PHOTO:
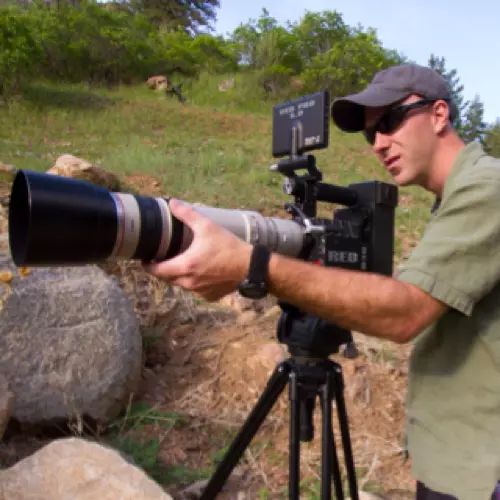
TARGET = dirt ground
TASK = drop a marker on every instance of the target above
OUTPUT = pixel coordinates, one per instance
(216, 374)
(209, 364)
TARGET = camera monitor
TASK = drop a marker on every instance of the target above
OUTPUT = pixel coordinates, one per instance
(308, 117)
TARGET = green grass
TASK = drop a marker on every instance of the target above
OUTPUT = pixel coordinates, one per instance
(130, 435)
(215, 150)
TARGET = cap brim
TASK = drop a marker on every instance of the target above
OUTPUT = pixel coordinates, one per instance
(348, 113)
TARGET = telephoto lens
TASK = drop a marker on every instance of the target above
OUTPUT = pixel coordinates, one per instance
(56, 220)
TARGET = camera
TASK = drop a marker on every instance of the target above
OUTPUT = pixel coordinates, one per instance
(57, 221)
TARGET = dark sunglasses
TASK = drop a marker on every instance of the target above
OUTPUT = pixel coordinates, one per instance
(392, 119)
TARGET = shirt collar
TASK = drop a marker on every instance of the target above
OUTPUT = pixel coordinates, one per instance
(468, 156)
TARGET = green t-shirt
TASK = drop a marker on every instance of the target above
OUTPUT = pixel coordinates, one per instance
(454, 377)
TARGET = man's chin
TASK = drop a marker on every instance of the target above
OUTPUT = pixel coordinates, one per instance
(402, 180)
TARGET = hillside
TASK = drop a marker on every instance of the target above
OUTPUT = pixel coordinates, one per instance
(212, 150)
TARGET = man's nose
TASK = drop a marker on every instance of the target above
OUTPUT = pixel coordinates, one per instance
(382, 142)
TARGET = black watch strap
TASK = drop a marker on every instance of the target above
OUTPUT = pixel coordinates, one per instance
(254, 286)
(259, 262)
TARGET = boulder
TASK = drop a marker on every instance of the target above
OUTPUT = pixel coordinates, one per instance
(74, 468)
(158, 82)
(70, 344)
(6, 404)
(77, 168)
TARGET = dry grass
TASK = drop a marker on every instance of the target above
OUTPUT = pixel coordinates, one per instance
(225, 378)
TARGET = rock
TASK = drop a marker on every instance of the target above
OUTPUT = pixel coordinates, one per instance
(272, 312)
(247, 317)
(164, 85)
(7, 174)
(226, 85)
(4, 200)
(74, 468)
(240, 304)
(4, 243)
(363, 495)
(70, 343)
(297, 83)
(6, 404)
(158, 82)
(71, 166)
(7, 169)
(4, 221)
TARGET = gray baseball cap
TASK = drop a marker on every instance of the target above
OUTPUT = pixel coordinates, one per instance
(388, 87)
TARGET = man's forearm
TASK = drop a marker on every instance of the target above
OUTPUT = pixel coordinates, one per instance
(369, 303)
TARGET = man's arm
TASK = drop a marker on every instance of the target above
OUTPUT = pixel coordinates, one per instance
(372, 304)
(217, 261)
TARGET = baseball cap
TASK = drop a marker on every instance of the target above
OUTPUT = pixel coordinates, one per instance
(387, 87)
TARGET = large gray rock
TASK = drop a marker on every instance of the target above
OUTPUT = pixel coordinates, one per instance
(6, 404)
(70, 343)
(77, 469)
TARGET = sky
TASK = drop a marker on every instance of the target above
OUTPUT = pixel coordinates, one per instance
(464, 32)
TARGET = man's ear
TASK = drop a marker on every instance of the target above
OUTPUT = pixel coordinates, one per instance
(440, 116)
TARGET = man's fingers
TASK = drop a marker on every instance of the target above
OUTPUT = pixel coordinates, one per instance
(169, 270)
(185, 213)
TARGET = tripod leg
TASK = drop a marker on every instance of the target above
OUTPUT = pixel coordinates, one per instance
(329, 458)
(274, 388)
(294, 459)
(344, 430)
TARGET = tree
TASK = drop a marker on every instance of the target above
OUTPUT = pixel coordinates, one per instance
(349, 65)
(190, 15)
(318, 32)
(248, 38)
(19, 49)
(474, 126)
(456, 88)
(492, 139)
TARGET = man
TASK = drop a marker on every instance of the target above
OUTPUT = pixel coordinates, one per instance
(445, 298)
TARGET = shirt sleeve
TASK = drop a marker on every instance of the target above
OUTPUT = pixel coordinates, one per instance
(458, 259)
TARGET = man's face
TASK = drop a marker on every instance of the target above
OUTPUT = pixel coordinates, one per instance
(407, 151)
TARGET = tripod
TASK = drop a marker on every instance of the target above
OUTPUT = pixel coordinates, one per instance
(308, 376)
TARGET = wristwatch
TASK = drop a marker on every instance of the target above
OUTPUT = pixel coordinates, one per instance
(254, 286)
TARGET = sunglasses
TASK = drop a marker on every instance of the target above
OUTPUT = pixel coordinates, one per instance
(392, 119)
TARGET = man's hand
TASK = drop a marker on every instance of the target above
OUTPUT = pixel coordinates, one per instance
(213, 265)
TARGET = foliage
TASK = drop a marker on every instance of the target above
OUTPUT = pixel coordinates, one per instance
(456, 87)
(177, 51)
(349, 65)
(91, 43)
(188, 15)
(19, 49)
(491, 139)
(474, 126)
(100, 43)
(320, 49)
(469, 123)
(87, 41)
(318, 33)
